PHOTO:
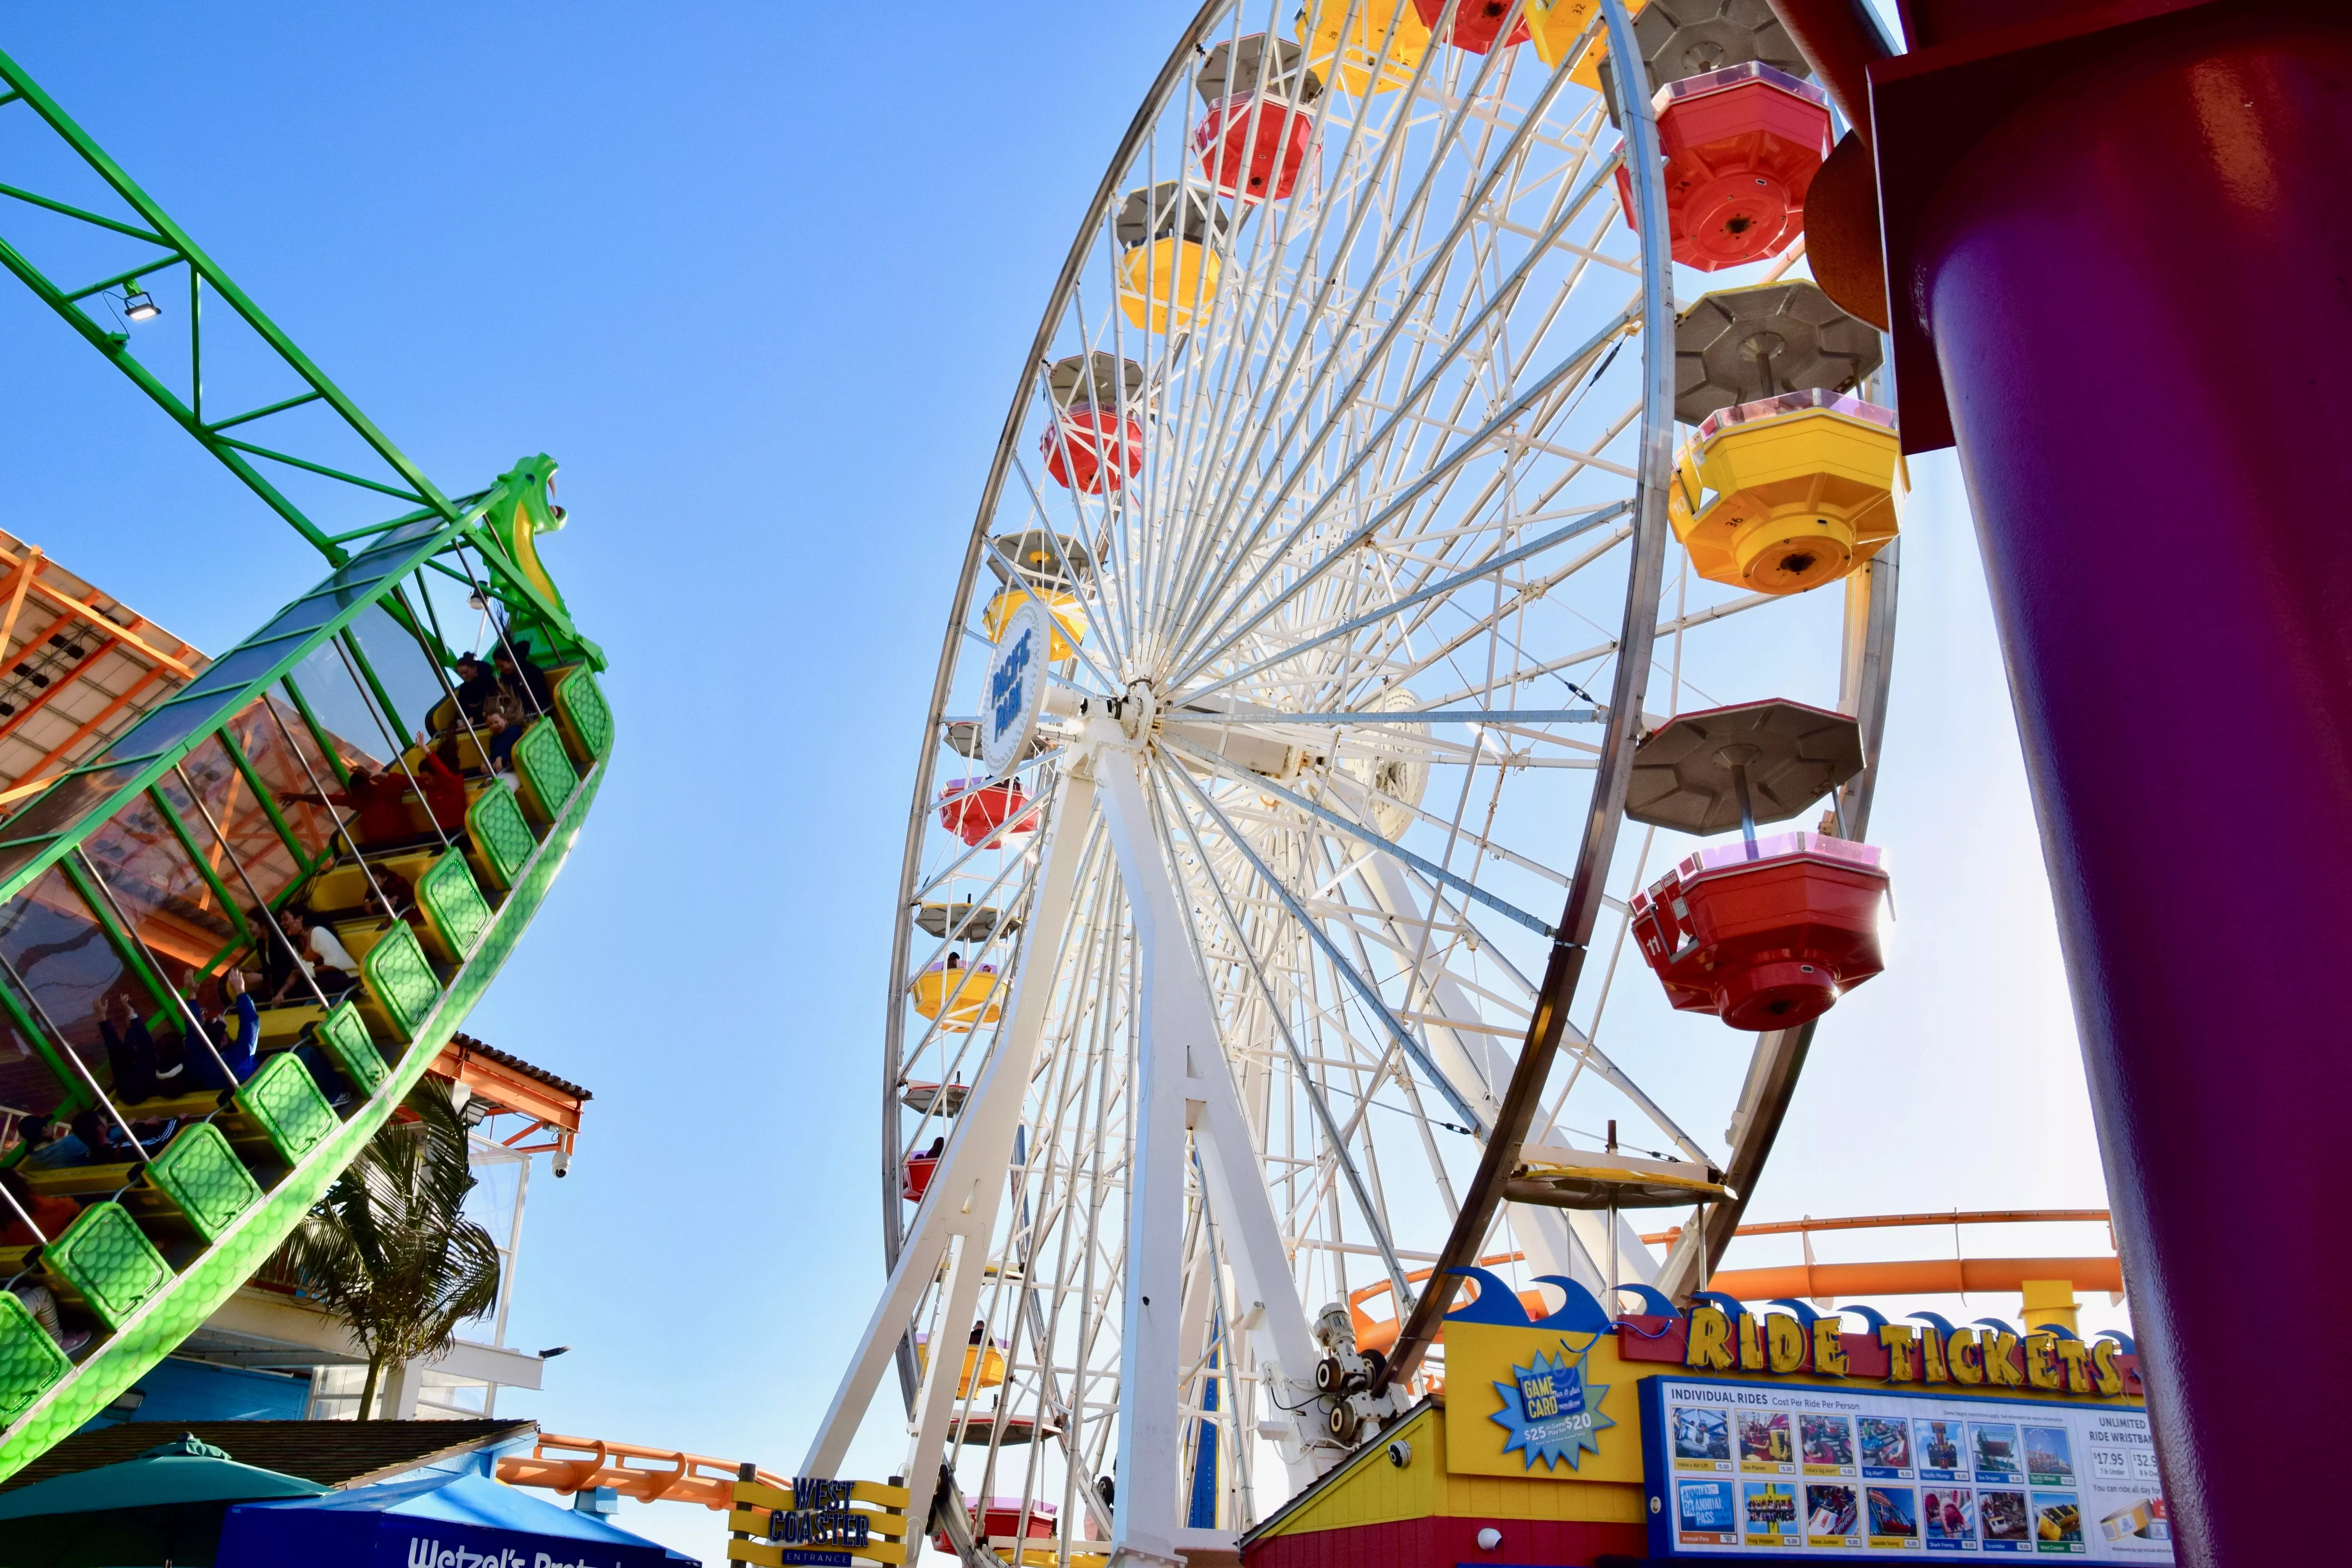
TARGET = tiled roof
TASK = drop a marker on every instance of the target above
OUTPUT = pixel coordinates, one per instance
(332, 1453)
(473, 1046)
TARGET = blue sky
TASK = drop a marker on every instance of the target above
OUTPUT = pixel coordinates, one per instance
(765, 297)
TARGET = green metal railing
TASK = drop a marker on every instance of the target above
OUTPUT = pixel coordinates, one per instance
(152, 870)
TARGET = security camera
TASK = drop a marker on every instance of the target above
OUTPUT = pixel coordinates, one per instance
(1400, 1453)
(561, 1163)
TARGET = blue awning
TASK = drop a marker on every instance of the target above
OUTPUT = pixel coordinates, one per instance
(443, 1522)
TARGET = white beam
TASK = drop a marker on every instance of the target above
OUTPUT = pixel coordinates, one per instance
(957, 1214)
(1184, 1052)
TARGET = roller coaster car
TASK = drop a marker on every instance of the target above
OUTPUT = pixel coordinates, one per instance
(1170, 267)
(1259, 129)
(1742, 146)
(1765, 936)
(1388, 31)
(958, 996)
(1473, 25)
(977, 812)
(1788, 492)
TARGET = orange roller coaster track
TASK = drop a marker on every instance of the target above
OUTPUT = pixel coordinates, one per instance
(664, 1475)
(1945, 1276)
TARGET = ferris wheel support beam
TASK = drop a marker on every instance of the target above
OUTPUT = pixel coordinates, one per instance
(1182, 1080)
(957, 1216)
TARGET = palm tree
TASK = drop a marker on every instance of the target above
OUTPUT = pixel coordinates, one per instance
(389, 1249)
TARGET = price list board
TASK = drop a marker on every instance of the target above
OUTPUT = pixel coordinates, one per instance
(1748, 1469)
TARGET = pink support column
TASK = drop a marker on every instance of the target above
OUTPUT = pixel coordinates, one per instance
(2120, 259)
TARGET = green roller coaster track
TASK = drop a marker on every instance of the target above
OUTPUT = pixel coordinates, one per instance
(157, 1254)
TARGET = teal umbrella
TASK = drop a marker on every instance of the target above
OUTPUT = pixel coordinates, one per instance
(161, 1509)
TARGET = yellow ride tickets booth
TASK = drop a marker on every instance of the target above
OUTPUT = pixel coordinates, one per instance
(1734, 1434)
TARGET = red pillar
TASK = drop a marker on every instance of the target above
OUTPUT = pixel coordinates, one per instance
(2120, 257)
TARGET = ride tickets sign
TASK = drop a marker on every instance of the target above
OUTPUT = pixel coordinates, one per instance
(1742, 1468)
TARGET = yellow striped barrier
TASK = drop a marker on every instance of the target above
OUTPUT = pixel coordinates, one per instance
(818, 1523)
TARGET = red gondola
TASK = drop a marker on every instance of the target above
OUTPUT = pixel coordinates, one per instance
(1092, 449)
(1742, 146)
(1001, 1518)
(916, 1180)
(1260, 128)
(1767, 932)
(1253, 147)
(1766, 935)
(1474, 24)
(974, 811)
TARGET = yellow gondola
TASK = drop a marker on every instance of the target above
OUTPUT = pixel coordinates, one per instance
(1788, 492)
(1168, 274)
(1366, 23)
(967, 996)
(1069, 618)
(990, 1366)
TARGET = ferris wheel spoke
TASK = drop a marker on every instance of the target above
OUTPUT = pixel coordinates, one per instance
(1402, 232)
(1335, 1146)
(1366, 992)
(1440, 470)
(1504, 296)
(1365, 834)
(1486, 568)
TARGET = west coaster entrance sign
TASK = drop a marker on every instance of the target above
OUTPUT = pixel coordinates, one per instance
(818, 1523)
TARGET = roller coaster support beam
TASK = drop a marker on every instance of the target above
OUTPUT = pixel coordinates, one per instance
(2116, 242)
(957, 1218)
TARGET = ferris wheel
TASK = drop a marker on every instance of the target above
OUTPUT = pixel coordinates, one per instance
(1371, 532)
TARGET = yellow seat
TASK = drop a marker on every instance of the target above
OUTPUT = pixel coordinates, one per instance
(357, 936)
(196, 1102)
(1321, 23)
(1788, 494)
(80, 1180)
(340, 887)
(281, 1027)
(1069, 618)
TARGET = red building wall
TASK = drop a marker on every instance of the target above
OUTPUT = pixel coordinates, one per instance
(1441, 1543)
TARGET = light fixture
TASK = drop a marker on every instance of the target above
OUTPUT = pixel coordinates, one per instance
(138, 304)
(552, 1352)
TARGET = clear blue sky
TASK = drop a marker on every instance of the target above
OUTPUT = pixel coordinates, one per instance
(761, 277)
